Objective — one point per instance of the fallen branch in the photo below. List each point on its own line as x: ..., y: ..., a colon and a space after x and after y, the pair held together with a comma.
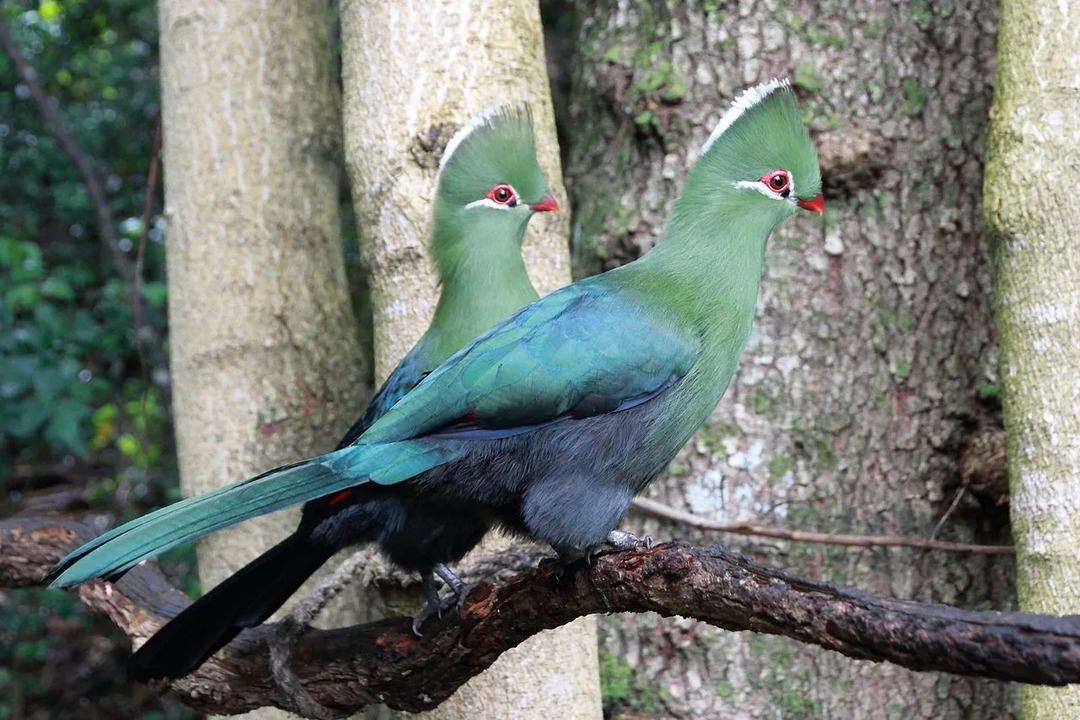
x: 656, y: 509
x: 383, y: 662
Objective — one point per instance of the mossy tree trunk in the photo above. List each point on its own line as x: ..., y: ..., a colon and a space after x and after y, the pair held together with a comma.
x: 874, y: 336
x: 1033, y: 210
x: 266, y: 363
x: 413, y: 73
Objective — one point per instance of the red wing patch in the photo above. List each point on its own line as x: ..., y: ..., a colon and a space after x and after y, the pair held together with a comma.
x: 338, y: 498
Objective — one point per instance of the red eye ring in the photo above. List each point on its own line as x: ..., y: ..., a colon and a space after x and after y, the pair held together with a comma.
x: 502, y: 194
x: 778, y: 181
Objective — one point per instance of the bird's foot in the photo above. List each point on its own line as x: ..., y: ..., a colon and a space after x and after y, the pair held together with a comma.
x: 435, y: 606
x: 622, y: 540
x: 461, y: 590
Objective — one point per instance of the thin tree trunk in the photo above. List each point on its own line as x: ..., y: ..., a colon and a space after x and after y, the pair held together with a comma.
x: 1033, y: 210
x: 873, y: 340
x: 413, y: 72
x: 265, y: 357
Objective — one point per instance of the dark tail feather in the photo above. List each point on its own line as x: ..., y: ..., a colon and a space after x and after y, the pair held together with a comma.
x: 244, y: 600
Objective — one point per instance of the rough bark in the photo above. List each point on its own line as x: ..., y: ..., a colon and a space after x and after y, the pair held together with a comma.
x: 1034, y: 213
x: 384, y: 662
x: 873, y: 338
x: 413, y: 72
x: 265, y: 357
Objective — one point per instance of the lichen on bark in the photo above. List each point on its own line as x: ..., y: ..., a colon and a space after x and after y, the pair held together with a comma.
x: 1033, y: 211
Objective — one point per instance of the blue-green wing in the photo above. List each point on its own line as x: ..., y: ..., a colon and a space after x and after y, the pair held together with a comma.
x: 585, y: 346
x: 410, y: 371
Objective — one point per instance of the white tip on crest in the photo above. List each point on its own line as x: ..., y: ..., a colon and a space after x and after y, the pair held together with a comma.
x: 744, y: 101
x: 476, y: 122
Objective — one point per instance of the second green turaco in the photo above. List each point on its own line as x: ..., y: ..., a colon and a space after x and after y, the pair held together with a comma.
x: 549, y: 423
x: 487, y: 187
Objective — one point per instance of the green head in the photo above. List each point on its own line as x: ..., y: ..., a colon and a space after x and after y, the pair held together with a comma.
x: 758, y: 167
x: 488, y: 186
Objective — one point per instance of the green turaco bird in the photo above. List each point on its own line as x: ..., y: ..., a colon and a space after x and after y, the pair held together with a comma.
x: 487, y: 187
x: 550, y: 422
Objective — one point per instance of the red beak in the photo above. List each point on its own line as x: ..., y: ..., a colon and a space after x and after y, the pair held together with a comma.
x: 548, y: 204
x: 817, y: 205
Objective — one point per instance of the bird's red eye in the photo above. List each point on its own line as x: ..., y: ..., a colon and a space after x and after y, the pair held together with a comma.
x: 503, y: 195
x: 779, y: 181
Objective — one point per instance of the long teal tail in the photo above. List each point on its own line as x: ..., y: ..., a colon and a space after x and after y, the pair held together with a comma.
x: 111, y: 555
x: 243, y: 600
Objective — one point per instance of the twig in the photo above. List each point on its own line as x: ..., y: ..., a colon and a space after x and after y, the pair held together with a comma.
x: 383, y: 662
x: 66, y: 141
x: 952, y: 506
x: 742, y: 528
x: 136, y: 286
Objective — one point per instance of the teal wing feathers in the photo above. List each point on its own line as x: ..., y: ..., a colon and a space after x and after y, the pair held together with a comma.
x: 117, y: 551
x: 579, y: 342
x: 406, y: 375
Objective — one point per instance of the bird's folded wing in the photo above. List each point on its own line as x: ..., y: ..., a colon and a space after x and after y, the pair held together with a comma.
x: 579, y: 351
x: 404, y: 378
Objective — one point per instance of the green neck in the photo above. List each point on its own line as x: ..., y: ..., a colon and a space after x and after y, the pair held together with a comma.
x: 482, y: 274
x: 710, y: 261
x: 704, y: 276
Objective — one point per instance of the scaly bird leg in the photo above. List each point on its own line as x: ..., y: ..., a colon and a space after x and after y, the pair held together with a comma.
x: 433, y: 607
x: 461, y: 590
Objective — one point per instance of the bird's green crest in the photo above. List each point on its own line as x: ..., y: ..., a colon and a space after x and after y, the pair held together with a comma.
x: 494, y: 147
x: 488, y: 186
x: 760, y: 140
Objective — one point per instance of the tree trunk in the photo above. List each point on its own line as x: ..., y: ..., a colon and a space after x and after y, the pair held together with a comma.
x: 874, y: 337
x: 265, y: 357
x: 1033, y: 211
x: 413, y: 73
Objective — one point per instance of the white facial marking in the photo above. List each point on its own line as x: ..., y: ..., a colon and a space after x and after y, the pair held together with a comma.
x: 489, y: 203
x: 475, y: 123
x: 744, y: 101
x: 768, y: 191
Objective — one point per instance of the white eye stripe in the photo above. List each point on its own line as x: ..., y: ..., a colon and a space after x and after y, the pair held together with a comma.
x: 488, y: 202
x: 768, y: 191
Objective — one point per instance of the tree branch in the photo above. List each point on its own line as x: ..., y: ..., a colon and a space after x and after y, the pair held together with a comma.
x: 345, y: 669
x: 656, y: 509
x: 68, y: 145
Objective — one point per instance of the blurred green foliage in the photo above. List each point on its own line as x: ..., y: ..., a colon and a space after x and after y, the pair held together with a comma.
x: 69, y: 370
x: 73, y: 391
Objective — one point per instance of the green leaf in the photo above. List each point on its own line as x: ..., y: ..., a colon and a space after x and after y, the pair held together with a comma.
x: 28, y: 418
x: 23, y: 296
x: 58, y: 289
x: 155, y: 293
x: 128, y: 445
x: 66, y: 423
x: 49, y: 10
